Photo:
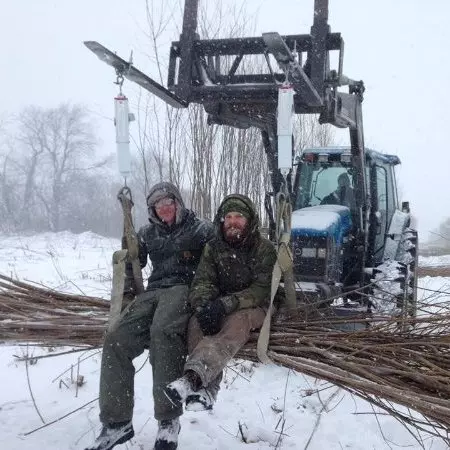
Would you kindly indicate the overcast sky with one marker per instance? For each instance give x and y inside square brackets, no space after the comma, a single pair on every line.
[399,48]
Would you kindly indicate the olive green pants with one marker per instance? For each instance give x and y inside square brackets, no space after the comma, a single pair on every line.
[156,320]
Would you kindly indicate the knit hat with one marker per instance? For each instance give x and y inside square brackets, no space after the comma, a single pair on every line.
[236,205]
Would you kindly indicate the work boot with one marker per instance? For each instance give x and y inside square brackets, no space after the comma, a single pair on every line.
[167,436]
[187,385]
[112,435]
[202,400]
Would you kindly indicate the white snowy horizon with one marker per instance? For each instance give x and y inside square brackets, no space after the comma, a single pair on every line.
[263,401]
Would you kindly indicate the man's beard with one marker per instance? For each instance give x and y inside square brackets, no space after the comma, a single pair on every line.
[235,235]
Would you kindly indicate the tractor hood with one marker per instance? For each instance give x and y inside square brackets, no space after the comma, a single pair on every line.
[327,221]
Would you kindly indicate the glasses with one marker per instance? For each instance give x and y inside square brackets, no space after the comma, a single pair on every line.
[166,201]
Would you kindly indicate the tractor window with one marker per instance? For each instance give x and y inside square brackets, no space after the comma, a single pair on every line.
[391,192]
[382,193]
[316,182]
[394,183]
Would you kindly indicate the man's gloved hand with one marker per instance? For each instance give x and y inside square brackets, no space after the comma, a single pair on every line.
[129,288]
[128,296]
[230,302]
[211,315]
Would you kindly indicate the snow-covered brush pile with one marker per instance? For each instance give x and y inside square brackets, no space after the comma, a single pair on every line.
[392,362]
[382,364]
[36,314]
[433,271]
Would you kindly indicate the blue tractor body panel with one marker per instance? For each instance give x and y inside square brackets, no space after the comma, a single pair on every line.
[328,221]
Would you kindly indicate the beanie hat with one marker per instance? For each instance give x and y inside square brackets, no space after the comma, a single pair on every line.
[236,205]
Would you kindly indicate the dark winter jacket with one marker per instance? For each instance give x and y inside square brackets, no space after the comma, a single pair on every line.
[244,272]
[175,250]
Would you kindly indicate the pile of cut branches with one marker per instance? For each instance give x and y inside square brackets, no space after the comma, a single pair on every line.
[392,362]
[433,271]
[385,364]
[30,313]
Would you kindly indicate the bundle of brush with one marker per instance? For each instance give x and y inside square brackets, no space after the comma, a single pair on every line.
[392,362]
[30,313]
[388,361]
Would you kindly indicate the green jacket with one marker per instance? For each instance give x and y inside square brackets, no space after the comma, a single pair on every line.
[244,271]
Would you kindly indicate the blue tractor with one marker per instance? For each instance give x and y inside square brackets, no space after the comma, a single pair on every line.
[364,254]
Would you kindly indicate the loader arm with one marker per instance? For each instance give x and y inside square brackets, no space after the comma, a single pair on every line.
[206,71]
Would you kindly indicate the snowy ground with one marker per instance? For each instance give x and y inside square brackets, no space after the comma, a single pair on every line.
[258,398]
[429,261]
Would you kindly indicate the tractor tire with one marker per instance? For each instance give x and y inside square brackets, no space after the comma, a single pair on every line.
[411,248]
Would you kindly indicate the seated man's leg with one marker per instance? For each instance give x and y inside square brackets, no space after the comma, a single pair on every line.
[168,347]
[122,344]
[204,398]
[212,353]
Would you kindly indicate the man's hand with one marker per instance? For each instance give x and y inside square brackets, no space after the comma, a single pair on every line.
[129,289]
[128,296]
[230,302]
[211,315]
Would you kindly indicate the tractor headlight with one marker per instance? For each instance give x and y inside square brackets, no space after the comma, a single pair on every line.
[322,253]
[346,156]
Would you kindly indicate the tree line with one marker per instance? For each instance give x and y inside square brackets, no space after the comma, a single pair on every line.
[52,177]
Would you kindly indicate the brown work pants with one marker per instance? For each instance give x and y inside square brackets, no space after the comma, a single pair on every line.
[208,355]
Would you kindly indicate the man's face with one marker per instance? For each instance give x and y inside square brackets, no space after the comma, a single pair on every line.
[344,180]
[166,210]
[235,226]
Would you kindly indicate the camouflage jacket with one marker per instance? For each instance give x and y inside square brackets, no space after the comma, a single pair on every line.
[244,271]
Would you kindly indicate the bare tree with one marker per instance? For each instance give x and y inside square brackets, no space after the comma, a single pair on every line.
[160,127]
[7,191]
[56,144]
[308,132]
[441,236]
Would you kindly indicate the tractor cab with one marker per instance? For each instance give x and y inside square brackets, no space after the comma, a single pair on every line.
[328,219]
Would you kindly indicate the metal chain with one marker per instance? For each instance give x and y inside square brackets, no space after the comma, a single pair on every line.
[119,80]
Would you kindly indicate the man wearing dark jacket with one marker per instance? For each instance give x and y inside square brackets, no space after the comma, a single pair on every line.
[157,319]
[343,195]
[229,294]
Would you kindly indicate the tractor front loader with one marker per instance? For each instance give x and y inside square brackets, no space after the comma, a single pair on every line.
[356,253]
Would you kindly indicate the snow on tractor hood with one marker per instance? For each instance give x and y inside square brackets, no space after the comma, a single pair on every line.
[322,221]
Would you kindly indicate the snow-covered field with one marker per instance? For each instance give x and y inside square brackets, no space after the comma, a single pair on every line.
[261,400]
[434,260]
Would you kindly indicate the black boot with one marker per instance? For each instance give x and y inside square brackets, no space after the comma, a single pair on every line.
[167,437]
[112,435]
[183,387]
[202,400]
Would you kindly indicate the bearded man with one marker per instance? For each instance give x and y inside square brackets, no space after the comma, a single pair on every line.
[229,294]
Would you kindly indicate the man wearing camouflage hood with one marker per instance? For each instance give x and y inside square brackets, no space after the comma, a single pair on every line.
[157,319]
[229,294]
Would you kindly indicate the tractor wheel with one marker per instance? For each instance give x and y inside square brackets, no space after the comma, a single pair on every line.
[395,284]
[411,249]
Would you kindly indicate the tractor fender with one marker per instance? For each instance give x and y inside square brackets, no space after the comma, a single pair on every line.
[399,223]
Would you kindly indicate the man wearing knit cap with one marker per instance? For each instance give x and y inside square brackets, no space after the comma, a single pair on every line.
[157,319]
[229,294]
